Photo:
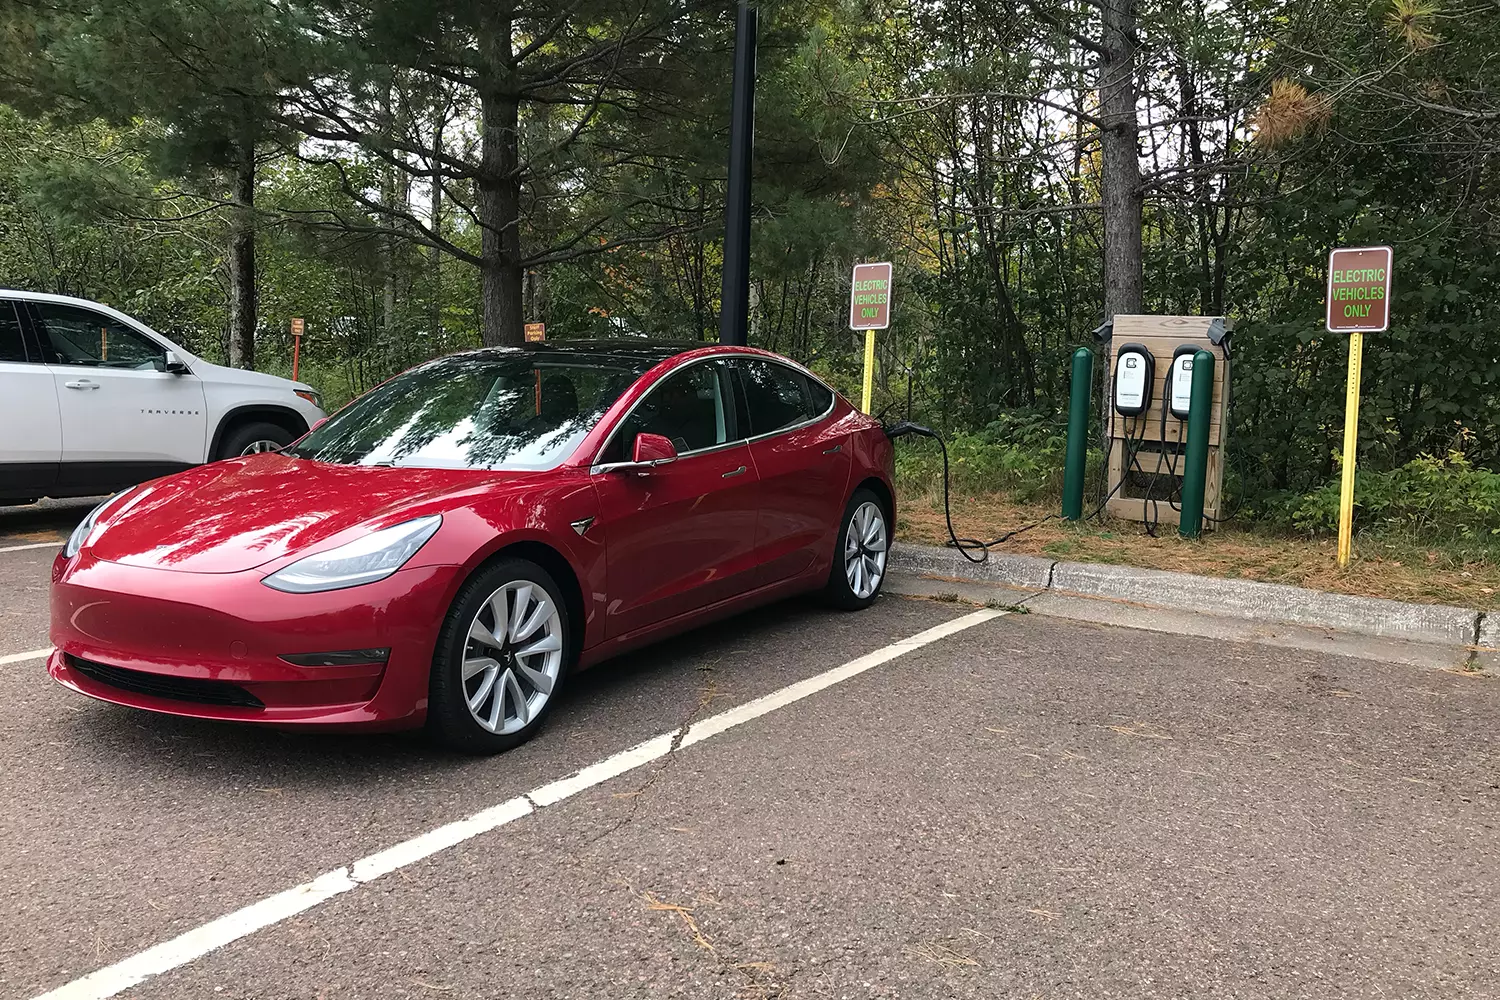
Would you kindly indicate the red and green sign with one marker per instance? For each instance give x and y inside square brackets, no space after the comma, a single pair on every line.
[870,297]
[1359,290]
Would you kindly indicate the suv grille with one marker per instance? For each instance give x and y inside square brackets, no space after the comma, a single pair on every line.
[191,689]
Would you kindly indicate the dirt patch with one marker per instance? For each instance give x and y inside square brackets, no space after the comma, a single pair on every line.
[1380,569]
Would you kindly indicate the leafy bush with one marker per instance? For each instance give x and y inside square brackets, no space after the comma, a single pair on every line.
[1436,498]
[1019,452]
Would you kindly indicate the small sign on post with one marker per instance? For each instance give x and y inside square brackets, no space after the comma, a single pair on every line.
[1359,290]
[1359,302]
[298,327]
[536,332]
[870,310]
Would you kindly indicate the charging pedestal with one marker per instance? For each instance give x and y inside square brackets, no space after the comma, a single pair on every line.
[1148,443]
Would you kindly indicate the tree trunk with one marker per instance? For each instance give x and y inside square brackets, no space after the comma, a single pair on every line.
[242,298]
[1123,275]
[435,254]
[499,183]
[388,243]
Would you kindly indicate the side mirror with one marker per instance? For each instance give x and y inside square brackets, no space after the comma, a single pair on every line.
[317,423]
[653,449]
[174,366]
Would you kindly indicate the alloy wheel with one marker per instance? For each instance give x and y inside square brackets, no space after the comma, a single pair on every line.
[513,657]
[865,549]
[258,447]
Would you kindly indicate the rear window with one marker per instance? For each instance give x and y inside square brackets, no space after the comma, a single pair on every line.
[822,397]
[775,395]
[513,412]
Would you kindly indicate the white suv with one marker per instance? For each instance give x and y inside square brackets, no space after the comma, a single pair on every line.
[92,401]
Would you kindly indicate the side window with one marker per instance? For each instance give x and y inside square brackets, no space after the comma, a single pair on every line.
[688,408]
[822,397]
[83,337]
[11,346]
[775,395]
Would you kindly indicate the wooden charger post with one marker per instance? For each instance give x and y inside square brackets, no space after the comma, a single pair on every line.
[1146,458]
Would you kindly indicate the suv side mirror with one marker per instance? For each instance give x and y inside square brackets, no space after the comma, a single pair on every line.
[654,449]
[173,365]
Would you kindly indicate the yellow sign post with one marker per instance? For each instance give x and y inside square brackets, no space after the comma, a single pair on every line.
[1359,302]
[1351,443]
[869,370]
[870,310]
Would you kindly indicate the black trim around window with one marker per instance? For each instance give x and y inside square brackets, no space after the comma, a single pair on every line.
[732,421]
[30,345]
[739,413]
[31,322]
[811,413]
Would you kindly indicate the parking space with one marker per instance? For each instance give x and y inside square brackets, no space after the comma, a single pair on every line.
[127,828]
[1026,807]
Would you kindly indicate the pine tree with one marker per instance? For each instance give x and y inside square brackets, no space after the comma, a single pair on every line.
[209,71]
[567,97]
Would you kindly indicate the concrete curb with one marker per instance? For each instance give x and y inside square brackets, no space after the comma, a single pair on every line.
[1489,632]
[1249,599]
[1012,571]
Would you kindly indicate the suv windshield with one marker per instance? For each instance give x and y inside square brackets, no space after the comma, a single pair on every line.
[475,412]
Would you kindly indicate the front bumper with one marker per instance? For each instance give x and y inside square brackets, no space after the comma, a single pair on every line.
[209,645]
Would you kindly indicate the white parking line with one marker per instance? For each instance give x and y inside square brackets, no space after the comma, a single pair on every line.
[35,545]
[35,654]
[215,934]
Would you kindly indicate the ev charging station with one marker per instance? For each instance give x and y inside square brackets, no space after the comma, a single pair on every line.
[1180,380]
[1150,398]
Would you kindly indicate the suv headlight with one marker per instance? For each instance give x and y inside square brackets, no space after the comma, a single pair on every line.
[313,396]
[364,560]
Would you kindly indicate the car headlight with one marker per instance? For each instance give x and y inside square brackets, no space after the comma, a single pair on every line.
[312,396]
[80,533]
[364,560]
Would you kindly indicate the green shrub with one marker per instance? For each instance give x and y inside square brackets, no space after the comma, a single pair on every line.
[1020,453]
[1439,499]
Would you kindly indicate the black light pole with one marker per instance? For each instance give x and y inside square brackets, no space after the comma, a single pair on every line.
[734,309]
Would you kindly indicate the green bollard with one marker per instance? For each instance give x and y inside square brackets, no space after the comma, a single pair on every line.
[1078,433]
[1195,467]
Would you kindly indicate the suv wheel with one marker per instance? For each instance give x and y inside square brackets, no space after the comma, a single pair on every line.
[254,438]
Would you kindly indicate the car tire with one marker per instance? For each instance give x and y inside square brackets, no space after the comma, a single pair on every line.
[522,664]
[258,436]
[861,553]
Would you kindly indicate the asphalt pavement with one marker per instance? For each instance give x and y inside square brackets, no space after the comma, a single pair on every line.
[1028,807]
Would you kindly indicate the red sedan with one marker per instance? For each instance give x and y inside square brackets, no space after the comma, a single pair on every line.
[448,547]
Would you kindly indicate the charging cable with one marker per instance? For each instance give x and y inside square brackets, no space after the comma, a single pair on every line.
[966,546]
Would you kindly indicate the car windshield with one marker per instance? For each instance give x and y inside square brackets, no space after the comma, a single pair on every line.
[516,412]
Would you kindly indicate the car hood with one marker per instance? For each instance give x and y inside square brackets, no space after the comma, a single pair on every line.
[238,514]
[243,376]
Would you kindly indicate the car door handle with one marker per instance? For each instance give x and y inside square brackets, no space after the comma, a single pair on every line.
[737,472]
[834,450]
[82,383]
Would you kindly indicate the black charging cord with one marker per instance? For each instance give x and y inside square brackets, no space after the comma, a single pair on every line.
[965,546]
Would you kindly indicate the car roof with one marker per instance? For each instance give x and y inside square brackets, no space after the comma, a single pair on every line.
[640,350]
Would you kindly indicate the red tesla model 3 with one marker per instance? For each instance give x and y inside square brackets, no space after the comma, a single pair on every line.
[448,547]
